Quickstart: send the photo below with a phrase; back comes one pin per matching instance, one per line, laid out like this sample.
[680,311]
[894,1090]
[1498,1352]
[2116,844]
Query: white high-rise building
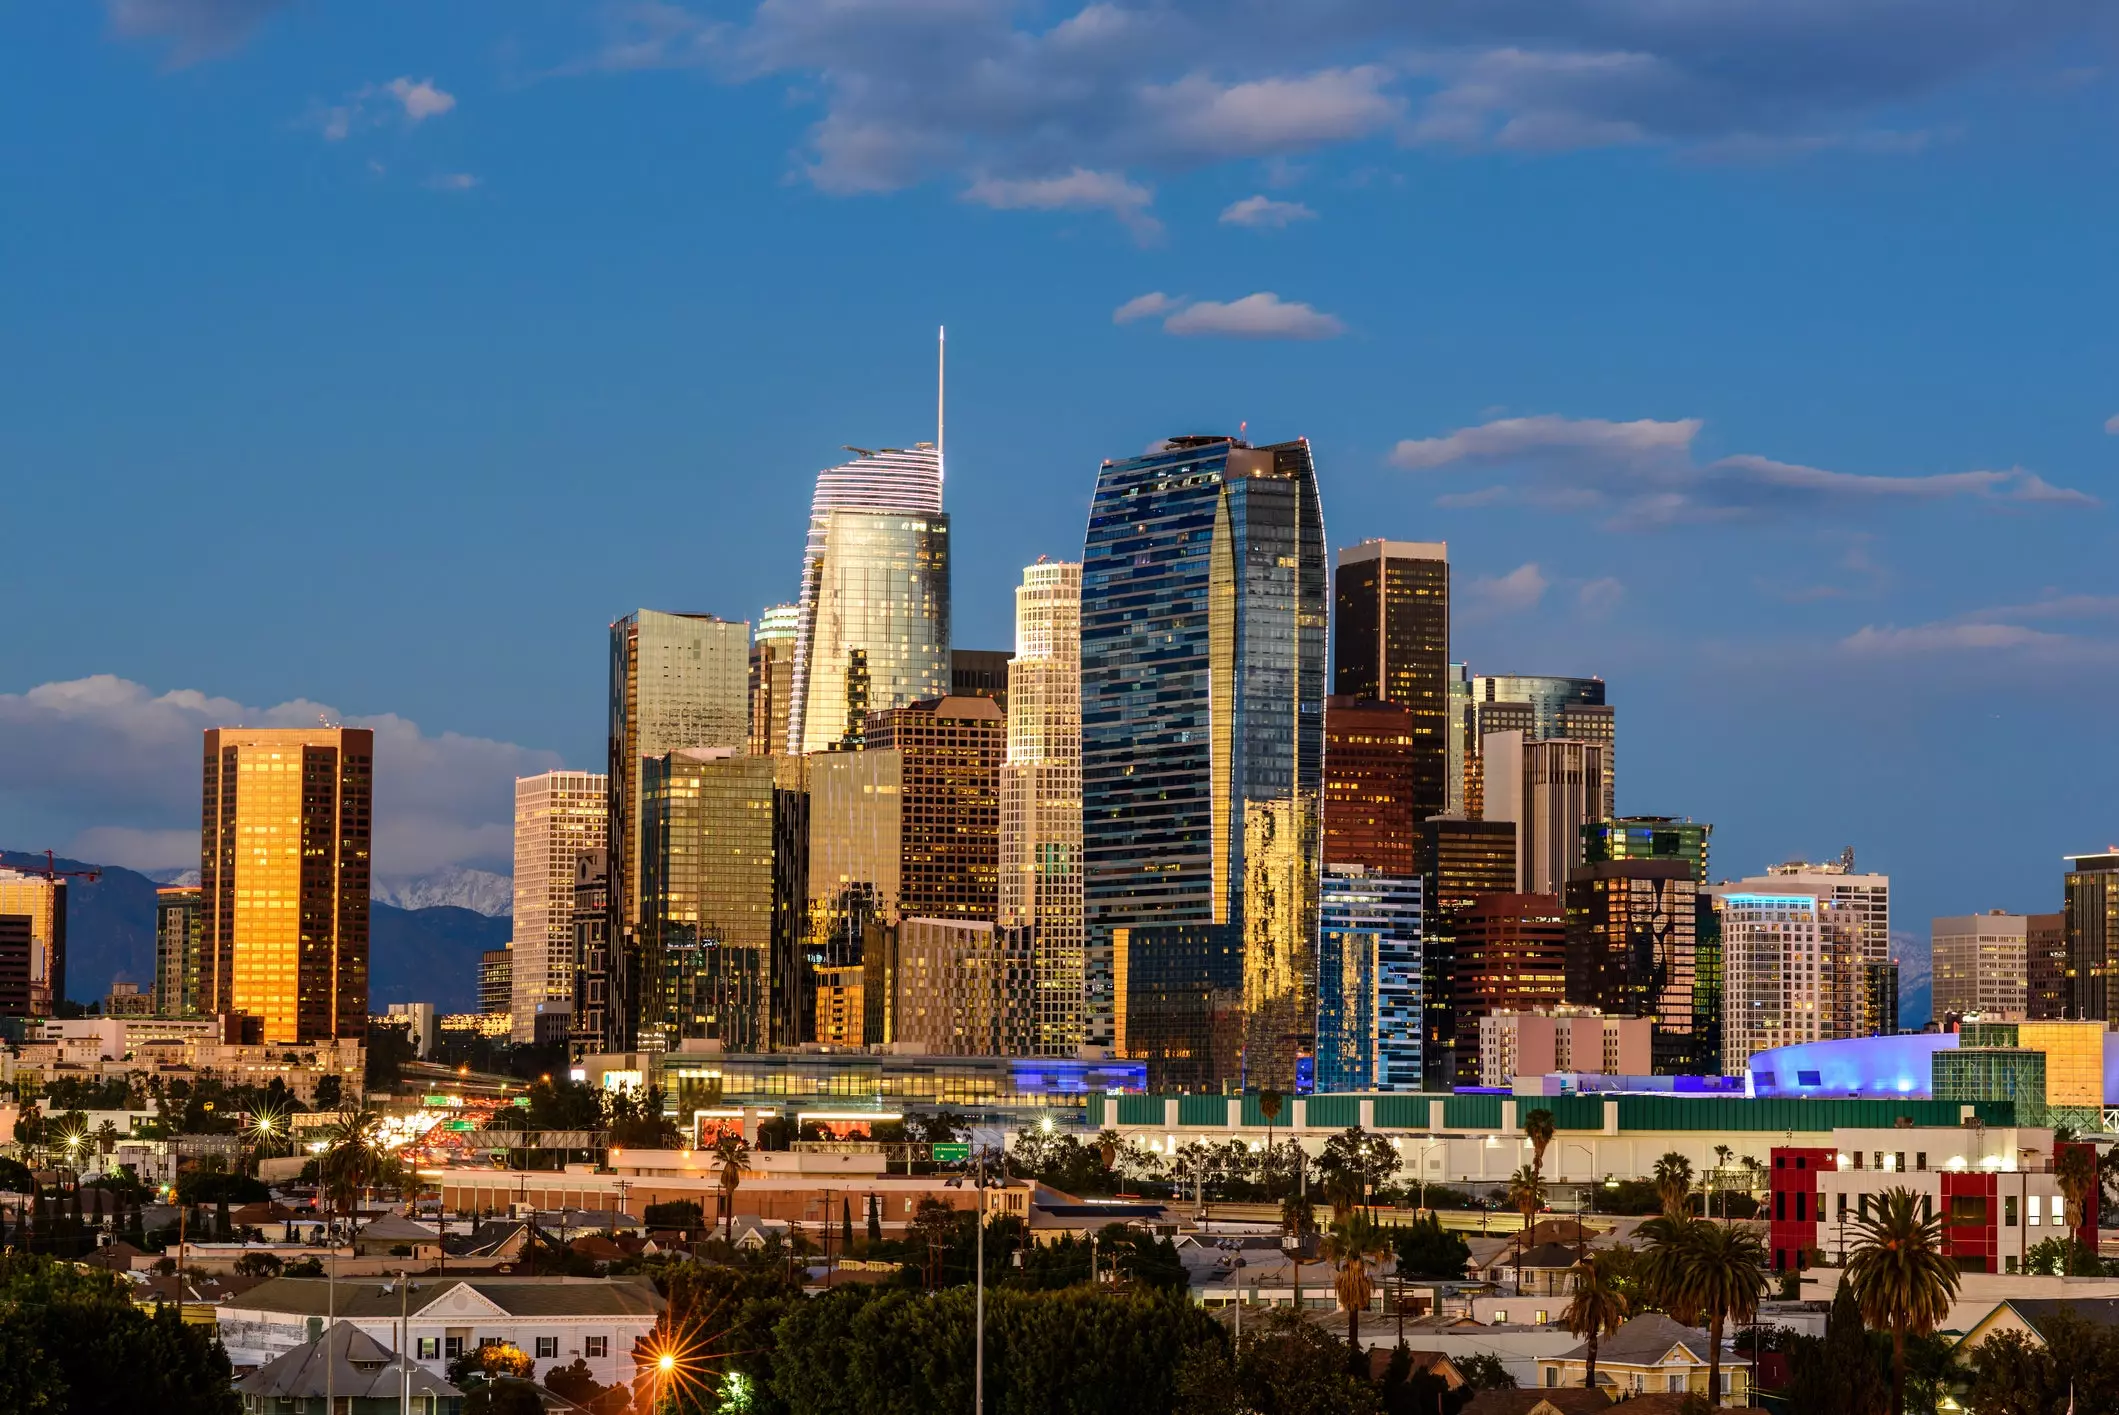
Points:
[559,816]
[1806,956]
[1550,788]
[1041,799]
[872,625]
[1982,964]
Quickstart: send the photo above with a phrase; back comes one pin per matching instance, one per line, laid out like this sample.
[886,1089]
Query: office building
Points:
[1541,707]
[419,1023]
[958,987]
[1463,860]
[1369,984]
[1457,687]
[496,982]
[772,678]
[856,864]
[1372,807]
[2045,973]
[2072,1071]
[1041,799]
[2092,931]
[1805,957]
[559,816]
[17,955]
[1178,1004]
[950,752]
[284,878]
[1550,788]
[1511,956]
[840,1008]
[872,625]
[41,904]
[677,681]
[723,883]
[1390,644]
[1981,964]
[1631,952]
[1203,662]
[1670,838]
[1551,1040]
[180,974]
[980,673]
[590,1022]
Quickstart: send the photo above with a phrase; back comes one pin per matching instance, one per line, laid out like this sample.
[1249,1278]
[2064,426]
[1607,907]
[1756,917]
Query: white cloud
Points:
[1947,638]
[117,765]
[1266,116]
[1261,316]
[1644,474]
[452,181]
[1146,306]
[1519,590]
[1262,210]
[1078,190]
[193,29]
[2111,424]
[1600,597]
[421,100]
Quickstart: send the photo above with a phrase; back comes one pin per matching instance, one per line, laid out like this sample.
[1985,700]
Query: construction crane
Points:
[51,871]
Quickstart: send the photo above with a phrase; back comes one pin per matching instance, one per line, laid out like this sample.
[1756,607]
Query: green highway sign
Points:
[951,1154]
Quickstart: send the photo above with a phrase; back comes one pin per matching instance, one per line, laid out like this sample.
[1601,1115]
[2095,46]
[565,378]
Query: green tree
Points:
[1539,1127]
[1269,1102]
[506,1396]
[1427,1249]
[1353,1244]
[2075,1167]
[1366,1160]
[677,1213]
[490,1363]
[1673,1183]
[72,1342]
[1711,1271]
[1526,1195]
[1901,1278]
[2012,1373]
[1846,1372]
[1594,1311]
[731,1153]
[1485,1371]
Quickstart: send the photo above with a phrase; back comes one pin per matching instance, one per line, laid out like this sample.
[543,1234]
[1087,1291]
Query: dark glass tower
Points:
[2092,911]
[1390,643]
[1203,658]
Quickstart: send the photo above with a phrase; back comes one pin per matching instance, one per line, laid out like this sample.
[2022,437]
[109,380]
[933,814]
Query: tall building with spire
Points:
[1204,603]
[1041,799]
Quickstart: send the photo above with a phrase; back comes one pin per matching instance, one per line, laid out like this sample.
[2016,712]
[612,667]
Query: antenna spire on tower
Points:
[941,379]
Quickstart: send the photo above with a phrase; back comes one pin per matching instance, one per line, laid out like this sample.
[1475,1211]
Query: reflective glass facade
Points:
[950,752]
[1511,955]
[179,965]
[1390,643]
[772,679]
[1462,861]
[1178,1003]
[1372,802]
[1203,657]
[2092,911]
[1369,985]
[38,906]
[856,864]
[284,878]
[1631,952]
[559,816]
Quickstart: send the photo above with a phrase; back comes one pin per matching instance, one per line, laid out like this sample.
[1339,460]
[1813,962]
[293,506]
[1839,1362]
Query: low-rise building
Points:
[1650,1353]
[1545,1040]
[553,1320]
[350,1371]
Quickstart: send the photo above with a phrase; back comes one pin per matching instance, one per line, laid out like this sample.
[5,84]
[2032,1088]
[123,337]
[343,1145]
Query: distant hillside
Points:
[414,955]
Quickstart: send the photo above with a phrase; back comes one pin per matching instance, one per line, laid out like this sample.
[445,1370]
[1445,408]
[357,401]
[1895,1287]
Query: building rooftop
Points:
[347,1362]
[517,1296]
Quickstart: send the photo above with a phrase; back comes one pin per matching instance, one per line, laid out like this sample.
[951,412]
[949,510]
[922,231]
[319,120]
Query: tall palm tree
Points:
[732,1152]
[1526,1195]
[1344,1192]
[353,1155]
[2076,1169]
[1901,1277]
[1715,1271]
[1353,1243]
[1722,1155]
[1596,1310]
[1673,1182]
[1269,1106]
[1538,1127]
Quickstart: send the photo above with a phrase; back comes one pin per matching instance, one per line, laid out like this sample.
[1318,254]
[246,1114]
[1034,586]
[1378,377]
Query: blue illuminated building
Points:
[1369,1014]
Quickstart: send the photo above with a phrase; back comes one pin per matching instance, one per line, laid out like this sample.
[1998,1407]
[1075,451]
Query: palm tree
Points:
[1713,1271]
[1900,1275]
[1526,1195]
[1596,1310]
[1673,1182]
[1269,1107]
[1722,1155]
[732,1152]
[353,1155]
[1297,1216]
[2076,1169]
[1354,1242]
[1539,1127]
[1343,1190]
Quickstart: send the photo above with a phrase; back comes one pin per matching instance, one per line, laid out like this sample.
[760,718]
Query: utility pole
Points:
[404,1357]
[978,1374]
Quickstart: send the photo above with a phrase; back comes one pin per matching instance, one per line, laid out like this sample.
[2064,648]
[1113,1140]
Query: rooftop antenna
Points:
[941,372]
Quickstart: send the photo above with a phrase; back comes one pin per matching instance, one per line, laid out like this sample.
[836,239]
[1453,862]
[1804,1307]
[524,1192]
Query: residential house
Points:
[358,1374]
[1650,1353]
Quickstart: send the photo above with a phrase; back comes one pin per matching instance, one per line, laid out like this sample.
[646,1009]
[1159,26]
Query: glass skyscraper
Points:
[1390,632]
[1369,986]
[872,626]
[1203,660]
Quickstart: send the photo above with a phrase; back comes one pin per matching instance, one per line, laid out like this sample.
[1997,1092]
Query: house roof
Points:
[1548,1255]
[1574,1401]
[2037,1312]
[1433,1362]
[391,1226]
[346,1361]
[1646,1340]
[518,1296]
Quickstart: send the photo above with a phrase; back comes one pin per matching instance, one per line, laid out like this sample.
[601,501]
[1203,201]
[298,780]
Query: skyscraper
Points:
[772,678]
[1550,788]
[2092,911]
[724,875]
[950,750]
[559,816]
[1390,643]
[677,680]
[872,627]
[980,673]
[1041,799]
[1369,986]
[1511,956]
[2046,982]
[1541,707]
[1371,787]
[1669,838]
[1804,950]
[856,866]
[37,941]
[592,951]
[1982,965]
[1462,861]
[1631,952]
[1203,655]
[284,876]
[179,967]
[496,985]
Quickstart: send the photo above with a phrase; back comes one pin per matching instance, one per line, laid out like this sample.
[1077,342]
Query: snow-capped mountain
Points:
[480,891]
[188,876]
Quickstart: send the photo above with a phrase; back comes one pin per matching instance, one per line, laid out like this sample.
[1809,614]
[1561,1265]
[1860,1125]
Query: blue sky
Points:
[1755,354]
